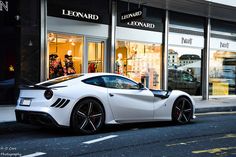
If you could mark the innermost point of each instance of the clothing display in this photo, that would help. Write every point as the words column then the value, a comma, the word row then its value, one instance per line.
column 55, row 66
column 69, row 65
column 92, row 67
column 56, row 69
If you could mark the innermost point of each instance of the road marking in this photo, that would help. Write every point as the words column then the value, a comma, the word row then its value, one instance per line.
column 214, row 113
column 100, row 139
column 35, row 154
column 182, row 143
column 225, row 137
column 214, row 150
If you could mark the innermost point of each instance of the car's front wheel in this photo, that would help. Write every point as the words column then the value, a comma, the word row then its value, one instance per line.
column 182, row 111
column 88, row 116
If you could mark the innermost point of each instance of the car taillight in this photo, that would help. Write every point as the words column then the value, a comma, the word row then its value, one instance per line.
column 48, row 94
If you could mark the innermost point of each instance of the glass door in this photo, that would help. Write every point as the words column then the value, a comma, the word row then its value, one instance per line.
column 96, row 54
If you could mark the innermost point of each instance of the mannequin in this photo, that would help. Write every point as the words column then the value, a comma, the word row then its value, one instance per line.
column 119, row 64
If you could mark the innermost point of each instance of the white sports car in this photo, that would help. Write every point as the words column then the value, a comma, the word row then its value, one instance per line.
column 86, row 102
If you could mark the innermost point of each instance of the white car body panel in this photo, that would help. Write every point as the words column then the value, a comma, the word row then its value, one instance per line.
column 123, row 107
column 163, row 107
column 137, row 102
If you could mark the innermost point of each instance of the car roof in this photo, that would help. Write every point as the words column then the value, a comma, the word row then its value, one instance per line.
column 81, row 77
column 88, row 75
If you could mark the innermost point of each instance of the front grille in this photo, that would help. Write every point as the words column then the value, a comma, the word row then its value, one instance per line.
column 60, row 103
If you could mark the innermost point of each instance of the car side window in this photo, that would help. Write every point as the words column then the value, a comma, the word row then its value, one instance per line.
column 96, row 81
column 119, row 83
column 187, row 77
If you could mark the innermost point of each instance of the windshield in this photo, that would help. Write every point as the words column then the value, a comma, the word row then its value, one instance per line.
column 60, row 79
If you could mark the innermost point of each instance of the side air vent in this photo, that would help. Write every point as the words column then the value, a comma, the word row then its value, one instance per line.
column 60, row 103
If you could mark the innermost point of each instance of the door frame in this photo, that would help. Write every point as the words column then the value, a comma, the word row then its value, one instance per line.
column 85, row 49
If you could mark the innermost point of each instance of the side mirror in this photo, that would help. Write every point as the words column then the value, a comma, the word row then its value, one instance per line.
column 141, row 86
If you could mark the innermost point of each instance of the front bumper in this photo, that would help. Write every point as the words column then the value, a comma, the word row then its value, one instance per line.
column 37, row 118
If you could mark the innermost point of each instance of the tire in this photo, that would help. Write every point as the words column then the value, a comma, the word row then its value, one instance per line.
column 182, row 111
column 87, row 117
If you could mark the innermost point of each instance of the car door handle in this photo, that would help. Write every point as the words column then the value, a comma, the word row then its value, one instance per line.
column 111, row 94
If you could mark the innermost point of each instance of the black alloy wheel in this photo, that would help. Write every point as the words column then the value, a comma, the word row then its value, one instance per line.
column 182, row 111
column 88, row 117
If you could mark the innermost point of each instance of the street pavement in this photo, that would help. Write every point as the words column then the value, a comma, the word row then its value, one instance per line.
column 220, row 104
column 212, row 135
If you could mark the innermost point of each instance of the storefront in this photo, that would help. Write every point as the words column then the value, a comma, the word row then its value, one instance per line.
column 77, row 34
column 78, row 41
column 138, row 53
column 222, row 70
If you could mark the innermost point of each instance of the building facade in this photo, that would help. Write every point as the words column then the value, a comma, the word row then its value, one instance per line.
column 162, row 44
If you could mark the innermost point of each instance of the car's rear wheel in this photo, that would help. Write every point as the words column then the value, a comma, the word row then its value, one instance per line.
column 88, row 116
column 182, row 111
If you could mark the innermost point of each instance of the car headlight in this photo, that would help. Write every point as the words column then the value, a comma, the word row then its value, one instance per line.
column 48, row 94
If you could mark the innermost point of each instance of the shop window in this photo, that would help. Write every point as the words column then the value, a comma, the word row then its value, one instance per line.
column 188, row 69
column 140, row 62
column 222, row 72
column 65, row 54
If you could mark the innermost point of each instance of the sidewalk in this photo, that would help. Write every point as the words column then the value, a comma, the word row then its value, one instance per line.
column 221, row 104
column 7, row 112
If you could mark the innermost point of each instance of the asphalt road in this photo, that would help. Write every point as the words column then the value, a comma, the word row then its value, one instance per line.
column 206, row 136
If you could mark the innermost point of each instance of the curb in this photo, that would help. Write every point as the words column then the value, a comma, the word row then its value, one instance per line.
column 215, row 109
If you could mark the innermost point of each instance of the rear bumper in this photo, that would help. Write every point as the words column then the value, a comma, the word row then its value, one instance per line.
column 37, row 118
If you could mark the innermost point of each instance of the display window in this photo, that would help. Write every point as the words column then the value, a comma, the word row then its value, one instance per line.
column 184, row 69
column 65, row 54
column 222, row 72
column 140, row 62
column 184, row 62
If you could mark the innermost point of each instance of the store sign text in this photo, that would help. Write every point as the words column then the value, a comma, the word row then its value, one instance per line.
column 3, row 6
column 131, row 15
column 224, row 45
column 81, row 15
column 141, row 24
column 187, row 41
